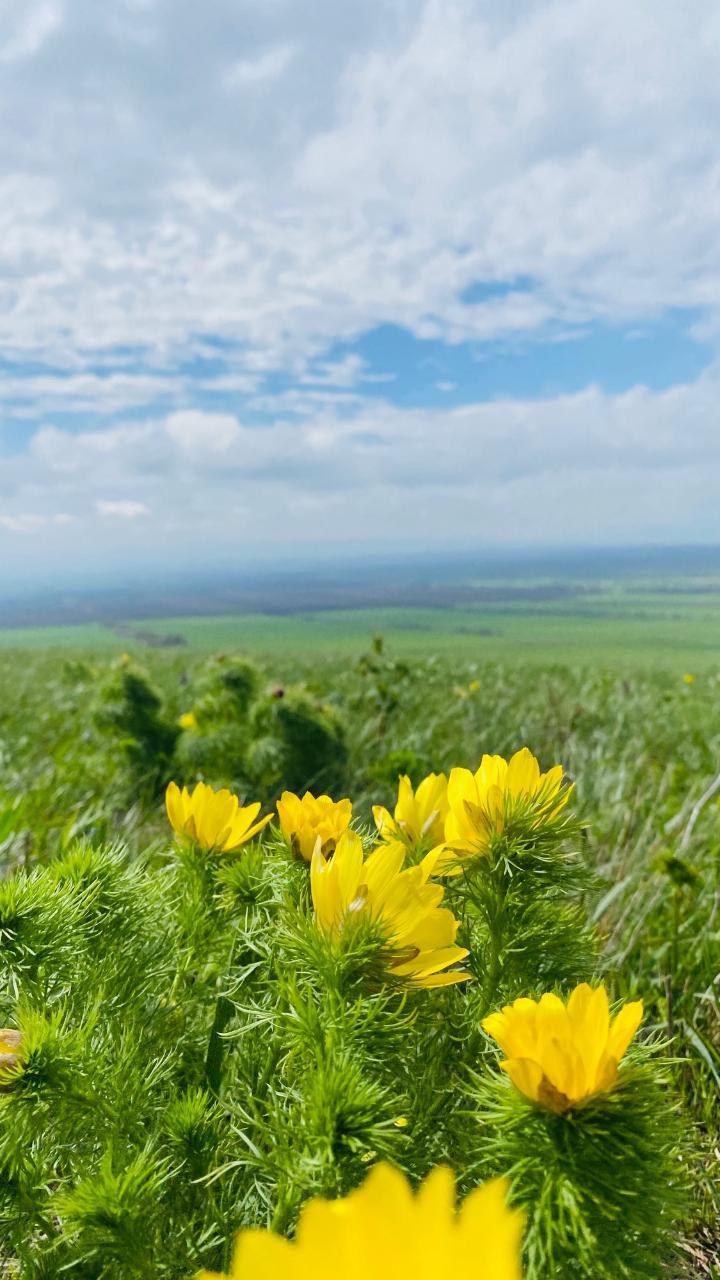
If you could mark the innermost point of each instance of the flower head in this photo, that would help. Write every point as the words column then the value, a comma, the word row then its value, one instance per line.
column 304, row 821
column 560, row 1055
column 188, row 720
column 384, row 1231
column 10, row 1053
column 418, row 934
column 486, row 803
column 419, row 818
column 689, row 678
column 214, row 820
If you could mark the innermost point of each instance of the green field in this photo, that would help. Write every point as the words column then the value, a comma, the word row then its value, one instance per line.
column 612, row 626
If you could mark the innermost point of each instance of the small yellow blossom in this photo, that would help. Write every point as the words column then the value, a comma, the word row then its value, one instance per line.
column 688, row 678
column 305, row 821
column 10, row 1053
column 474, row 685
column 419, row 819
column 188, row 720
column 483, row 804
column 385, row 1231
column 214, row 820
column 560, row 1055
column 418, row 934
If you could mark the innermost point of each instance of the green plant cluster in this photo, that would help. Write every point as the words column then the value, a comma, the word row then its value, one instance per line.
column 198, row 1056
column 240, row 733
column 642, row 748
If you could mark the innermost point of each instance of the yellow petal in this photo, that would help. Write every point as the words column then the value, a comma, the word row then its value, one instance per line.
column 383, row 821
column 381, row 869
column 623, row 1028
column 523, row 773
column 490, row 1231
column 173, row 805
column 525, row 1074
column 348, row 864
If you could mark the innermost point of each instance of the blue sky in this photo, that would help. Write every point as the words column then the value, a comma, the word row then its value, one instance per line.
column 406, row 275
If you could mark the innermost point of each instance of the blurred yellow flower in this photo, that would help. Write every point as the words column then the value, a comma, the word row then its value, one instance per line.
column 188, row 720
column 10, row 1053
column 214, row 820
column 418, row 934
column 483, row 804
column 419, row 818
column 474, row 685
column 385, row 1231
column 305, row 821
column 560, row 1055
column 688, row 678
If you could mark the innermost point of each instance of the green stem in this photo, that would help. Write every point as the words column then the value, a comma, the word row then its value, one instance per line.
column 495, row 917
column 674, row 959
column 216, row 1044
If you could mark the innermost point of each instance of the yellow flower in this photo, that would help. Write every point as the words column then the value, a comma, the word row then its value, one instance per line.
column 384, row 1231
column 474, row 685
column 10, row 1054
column 483, row 804
column 419, row 934
column 419, row 819
column 214, row 820
column 188, row 720
column 305, row 821
column 560, row 1055
column 688, row 678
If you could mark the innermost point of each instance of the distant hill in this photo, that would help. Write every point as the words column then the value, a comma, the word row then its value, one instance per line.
column 429, row 581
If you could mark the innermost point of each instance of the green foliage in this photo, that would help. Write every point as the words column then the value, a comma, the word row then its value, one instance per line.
column 312, row 753
column 265, row 742
column 109, row 1216
column 224, row 690
column 217, row 752
column 129, row 708
column 601, row 1185
column 392, row 766
column 523, row 908
column 125, row 965
column 209, row 1058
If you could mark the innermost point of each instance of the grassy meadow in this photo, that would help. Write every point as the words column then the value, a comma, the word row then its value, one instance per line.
column 632, row 624
column 621, row 685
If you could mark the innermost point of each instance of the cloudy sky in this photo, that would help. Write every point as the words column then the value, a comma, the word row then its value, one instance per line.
column 285, row 275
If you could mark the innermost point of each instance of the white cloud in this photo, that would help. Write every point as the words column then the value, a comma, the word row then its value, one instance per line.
column 25, row 522
column 32, row 522
column 26, row 27
column 255, row 71
column 197, row 432
column 583, row 467
column 122, row 508
column 381, row 158
column 74, row 452
column 192, row 200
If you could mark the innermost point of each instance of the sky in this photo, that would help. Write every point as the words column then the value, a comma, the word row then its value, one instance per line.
column 286, row 278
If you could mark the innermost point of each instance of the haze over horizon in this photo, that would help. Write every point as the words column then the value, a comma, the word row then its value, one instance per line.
column 398, row 276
